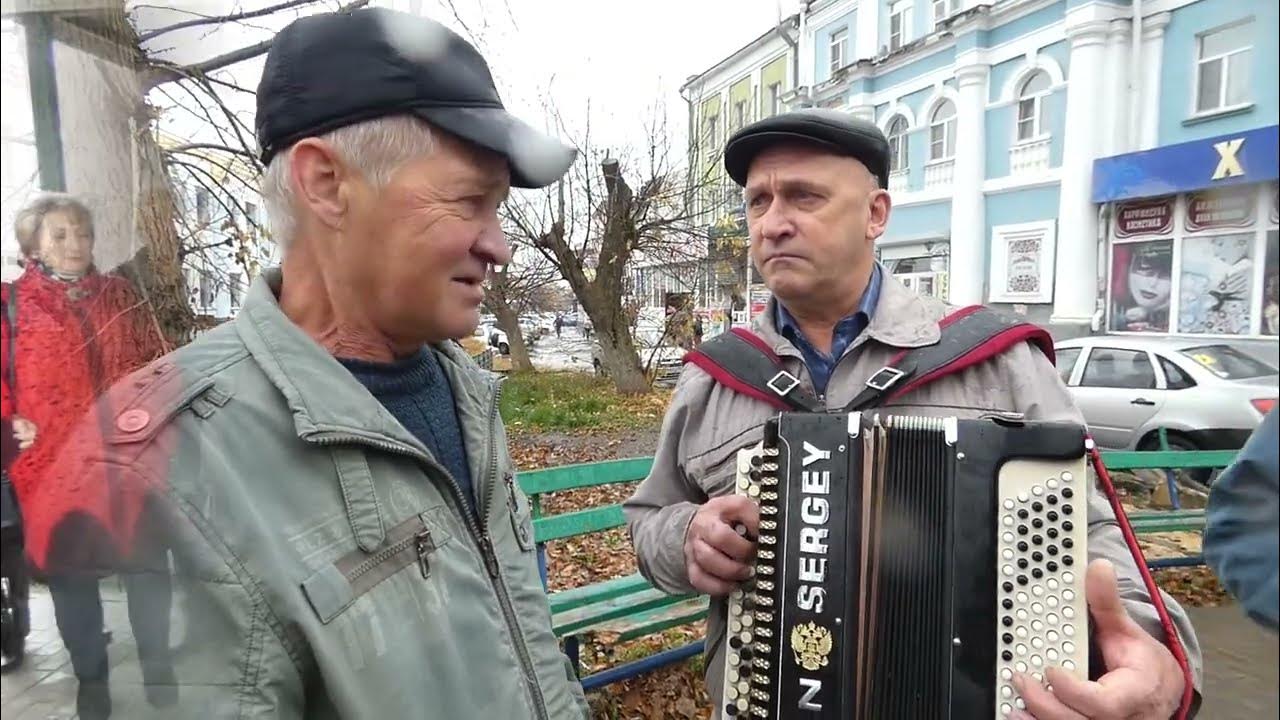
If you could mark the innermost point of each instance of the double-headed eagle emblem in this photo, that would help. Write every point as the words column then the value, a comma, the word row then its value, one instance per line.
column 811, row 644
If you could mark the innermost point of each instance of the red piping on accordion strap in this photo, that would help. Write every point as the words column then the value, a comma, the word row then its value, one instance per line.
column 1172, row 640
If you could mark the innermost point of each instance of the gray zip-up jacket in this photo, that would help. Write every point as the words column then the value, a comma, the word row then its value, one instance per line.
column 707, row 423
column 323, row 563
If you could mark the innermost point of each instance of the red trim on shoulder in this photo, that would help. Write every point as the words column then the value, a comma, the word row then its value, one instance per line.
column 963, row 312
column 994, row 346
column 758, row 342
column 724, row 377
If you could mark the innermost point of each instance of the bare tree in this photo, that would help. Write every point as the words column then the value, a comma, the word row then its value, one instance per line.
column 515, row 289
column 611, row 210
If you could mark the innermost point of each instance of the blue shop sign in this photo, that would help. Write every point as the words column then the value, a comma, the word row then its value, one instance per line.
column 1251, row 156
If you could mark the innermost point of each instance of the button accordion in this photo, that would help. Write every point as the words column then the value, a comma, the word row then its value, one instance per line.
column 907, row 567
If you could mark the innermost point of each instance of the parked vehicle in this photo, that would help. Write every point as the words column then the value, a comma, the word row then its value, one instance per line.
column 667, row 361
column 1207, row 394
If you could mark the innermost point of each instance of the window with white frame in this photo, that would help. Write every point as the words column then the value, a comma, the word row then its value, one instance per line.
column 836, row 45
column 740, row 114
column 942, row 131
column 1031, row 94
column 943, row 9
column 711, row 132
column 897, row 144
column 775, row 98
column 899, row 24
column 1222, row 68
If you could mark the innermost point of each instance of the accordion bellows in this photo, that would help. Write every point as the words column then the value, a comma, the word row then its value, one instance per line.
column 907, row 567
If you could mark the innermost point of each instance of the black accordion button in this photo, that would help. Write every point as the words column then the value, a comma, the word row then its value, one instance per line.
column 1037, row 573
column 1022, row 513
column 754, row 475
column 1067, row 492
column 1022, row 529
column 1052, row 499
column 1068, row 543
column 1022, row 579
column 1022, row 563
column 1037, row 556
column 731, row 709
column 1068, row 560
column 1053, row 549
column 1036, row 540
column 1066, row 509
column 1051, row 532
column 1006, row 656
column 1007, row 604
column 1007, row 586
column 1006, row 621
column 1022, row 546
column 1053, row 566
column 1007, row 638
column 735, row 642
column 1066, row 525
column 1052, row 515
column 1037, row 506
column 757, row 461
column 1037, row 523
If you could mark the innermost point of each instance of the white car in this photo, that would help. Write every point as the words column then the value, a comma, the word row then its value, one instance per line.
column 665, row 361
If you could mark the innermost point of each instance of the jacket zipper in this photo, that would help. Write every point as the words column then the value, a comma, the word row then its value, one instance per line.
column 421, row 542
column 479, row 536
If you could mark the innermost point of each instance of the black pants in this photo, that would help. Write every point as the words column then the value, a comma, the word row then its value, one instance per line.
column 13, row 565
column 77, row 607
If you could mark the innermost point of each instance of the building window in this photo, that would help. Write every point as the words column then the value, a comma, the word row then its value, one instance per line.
column 942, row 131
column 1031, row 105
column 712, row 126
column 775, row 98
column 1222, row 70
column 837, row 48
column 898, row 144
column 740, row 114
column 899, row 25
column 202, row 206
column 943, row 9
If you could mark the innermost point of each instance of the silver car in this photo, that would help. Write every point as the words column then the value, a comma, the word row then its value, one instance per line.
column 1208, row 394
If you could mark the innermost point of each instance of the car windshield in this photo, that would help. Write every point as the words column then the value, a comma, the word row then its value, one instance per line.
column 1227, row 362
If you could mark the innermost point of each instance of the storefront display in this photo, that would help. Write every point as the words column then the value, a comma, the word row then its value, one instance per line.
column 1141, row 286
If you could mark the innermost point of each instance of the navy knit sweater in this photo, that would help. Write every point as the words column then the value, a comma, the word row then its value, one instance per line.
column 416, row 391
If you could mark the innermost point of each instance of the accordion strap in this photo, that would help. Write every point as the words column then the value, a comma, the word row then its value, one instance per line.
column 742, row 361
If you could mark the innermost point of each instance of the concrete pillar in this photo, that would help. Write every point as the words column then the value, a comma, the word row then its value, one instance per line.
column 1116, row 104
column 1075, row 291
column 1149, row 91
column 969, row 240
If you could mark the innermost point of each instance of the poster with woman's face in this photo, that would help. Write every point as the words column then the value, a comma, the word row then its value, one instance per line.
column 1216, row 285
column 1141, row 286
column 1271, row 286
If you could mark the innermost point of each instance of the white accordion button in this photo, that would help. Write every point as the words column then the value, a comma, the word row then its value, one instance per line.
column 1008, row 504
column 1023, row 497
column 1036, row 661
column 1052, row 483
column 1007, row 570
column 1021, row 597
column 1006, row 708
column 1052, row 583
column 1037, row 491
column 1068, row 595
column 1053, row 636
column 1021, row 705
column 1007, row 537
column 1037, row 643
column 1006, row 674
column 1021, row 632
column 1068, row 647
column 1069, row 630
column 1022, row 614
column 1068, row 612
column 1021, row 649
column 1006, row 692
column 1051, row 654
column 1051, row 619
column 1067, row 477
column 1037, row 590
column 1037, row 626
column 1020, row 667
column 1067, row 664
column 1007, row 554
column 1068, row 577
column 1037, row 608
column 1052, row 600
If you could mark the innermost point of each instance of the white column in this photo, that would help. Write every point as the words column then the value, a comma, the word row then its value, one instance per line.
column 1149, row 94
column 1116, row 103
column 867, row 30
column 968, row 210
column 1075, row 291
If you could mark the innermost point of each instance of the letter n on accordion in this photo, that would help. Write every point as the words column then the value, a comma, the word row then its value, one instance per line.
column 907, row 567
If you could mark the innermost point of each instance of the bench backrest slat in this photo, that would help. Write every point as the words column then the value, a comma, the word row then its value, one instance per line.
column 568, row 477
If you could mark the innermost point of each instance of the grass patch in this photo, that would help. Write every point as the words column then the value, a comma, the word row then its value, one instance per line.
column 576, row 401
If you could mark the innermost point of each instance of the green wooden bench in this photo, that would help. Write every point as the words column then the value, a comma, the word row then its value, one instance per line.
column 632, row 608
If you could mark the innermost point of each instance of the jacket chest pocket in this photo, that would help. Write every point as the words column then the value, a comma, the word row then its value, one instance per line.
column 519, row 512
column 411, row 543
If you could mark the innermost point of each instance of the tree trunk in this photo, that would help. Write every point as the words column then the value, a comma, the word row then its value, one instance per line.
column 510, row 324
column 618, row 355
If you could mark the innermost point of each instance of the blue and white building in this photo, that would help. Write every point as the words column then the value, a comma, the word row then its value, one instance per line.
column 1094, row 165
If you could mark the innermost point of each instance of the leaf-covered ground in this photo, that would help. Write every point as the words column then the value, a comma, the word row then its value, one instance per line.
column 627, row 427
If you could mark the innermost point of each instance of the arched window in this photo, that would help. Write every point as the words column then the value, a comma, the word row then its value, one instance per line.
column 942, row 131
column 1031, row 96
column 897, row 144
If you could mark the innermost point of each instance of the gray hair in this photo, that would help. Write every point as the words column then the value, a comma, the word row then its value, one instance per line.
column 376, row 148
column 26, row 224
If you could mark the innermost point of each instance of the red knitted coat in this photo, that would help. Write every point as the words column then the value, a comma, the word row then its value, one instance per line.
column 72, row 340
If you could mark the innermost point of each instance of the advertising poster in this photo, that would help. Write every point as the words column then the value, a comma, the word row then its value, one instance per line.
column 1141, row 286
column 1271, row 286
column 1216, row 285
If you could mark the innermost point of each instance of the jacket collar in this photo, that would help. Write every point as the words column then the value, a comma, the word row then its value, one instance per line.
column 902, row 319
column 323, row 397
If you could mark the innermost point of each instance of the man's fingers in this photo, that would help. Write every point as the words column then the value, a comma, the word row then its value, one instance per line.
column 705, row 583
column 738, row 509
column 1117, row 694
column 1103, row 595
column 728, row 541
column 717, row 564
column 1042, row 704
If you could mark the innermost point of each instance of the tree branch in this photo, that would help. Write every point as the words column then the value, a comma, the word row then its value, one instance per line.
column 210, row 20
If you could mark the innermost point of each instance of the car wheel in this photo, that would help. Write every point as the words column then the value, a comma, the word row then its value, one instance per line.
column 504, row 348
column 1181, row 443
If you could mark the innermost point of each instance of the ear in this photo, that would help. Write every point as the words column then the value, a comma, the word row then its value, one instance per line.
column 878, row 213
column 319, row 179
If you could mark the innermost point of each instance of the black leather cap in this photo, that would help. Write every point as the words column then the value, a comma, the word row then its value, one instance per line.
column 330, row 70
column 837, row 131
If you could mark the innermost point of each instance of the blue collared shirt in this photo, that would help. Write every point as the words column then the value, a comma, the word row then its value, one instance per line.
column 821, row 364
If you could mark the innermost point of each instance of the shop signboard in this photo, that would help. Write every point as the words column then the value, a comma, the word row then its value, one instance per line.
column 1145, row 217
column 1215, row 209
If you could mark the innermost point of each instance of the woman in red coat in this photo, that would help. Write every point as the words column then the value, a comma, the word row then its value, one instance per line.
column 76, row 332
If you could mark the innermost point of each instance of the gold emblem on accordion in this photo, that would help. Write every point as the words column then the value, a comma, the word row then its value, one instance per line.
column 811, row 644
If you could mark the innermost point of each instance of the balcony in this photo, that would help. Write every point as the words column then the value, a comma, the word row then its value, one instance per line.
column 938, row 173
column 1029, row 157
column 898, row 181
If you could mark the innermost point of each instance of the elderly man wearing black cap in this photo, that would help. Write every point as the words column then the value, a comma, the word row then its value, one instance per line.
column 330, row 469
column 813, row 184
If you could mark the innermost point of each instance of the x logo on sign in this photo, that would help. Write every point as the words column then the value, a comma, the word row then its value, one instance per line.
column 1228, row 161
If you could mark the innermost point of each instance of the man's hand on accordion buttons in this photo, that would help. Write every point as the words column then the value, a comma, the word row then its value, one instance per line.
column 1143, row 680
column 715, row 554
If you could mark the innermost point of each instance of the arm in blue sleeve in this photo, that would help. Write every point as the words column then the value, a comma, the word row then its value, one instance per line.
column 1242, row 525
